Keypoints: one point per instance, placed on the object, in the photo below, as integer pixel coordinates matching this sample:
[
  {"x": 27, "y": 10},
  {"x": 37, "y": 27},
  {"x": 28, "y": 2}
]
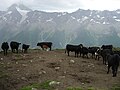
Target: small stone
[
  {"x": 16, "y": 62},
  {"x": 72, "y": 61},
  {"x": 24, "y": 65},
  {"x": 34, "y": 89},
  {"x": 1, "y": 59},
  {"x": 31, "y": 61},
  {"x": 23, "y": 78},
  {"x": 82, "y": 83},
  {"x": 40, "y": 73},
  {"x": 44, "y": 72},
  {"x": 57, "y": 68}
]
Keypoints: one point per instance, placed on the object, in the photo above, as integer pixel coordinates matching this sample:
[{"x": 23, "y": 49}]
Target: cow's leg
[
  {"x": 80, "y": 54},
  {"x": 113, "y": 71},
  {"x": 87, "y": 55},
  {"x": 17, "y": 50},
  {"x": 103, "y": 60},
  {"x": 83, "y": 55},
  {"x": 75, "y": 53},
  {"x": 5, "y": 51},
  {"x": 108, "y": 69},
  {"x": 68, "y": 53},
  {"x": 12, "y": 50}
]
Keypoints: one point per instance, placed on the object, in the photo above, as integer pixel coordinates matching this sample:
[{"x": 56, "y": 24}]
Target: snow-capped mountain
[{"x": 90, "y": 27}]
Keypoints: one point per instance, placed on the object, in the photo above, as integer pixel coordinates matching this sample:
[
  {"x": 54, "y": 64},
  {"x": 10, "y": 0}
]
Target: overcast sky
[{"x": 64, "y": 5}]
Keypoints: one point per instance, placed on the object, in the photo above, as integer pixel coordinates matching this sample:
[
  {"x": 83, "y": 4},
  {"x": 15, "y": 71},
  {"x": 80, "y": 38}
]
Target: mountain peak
[{"x": 21, "y": 6}]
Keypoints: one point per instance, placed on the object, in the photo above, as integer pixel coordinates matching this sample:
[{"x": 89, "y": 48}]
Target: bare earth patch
[{"x": 18, "y": 70}]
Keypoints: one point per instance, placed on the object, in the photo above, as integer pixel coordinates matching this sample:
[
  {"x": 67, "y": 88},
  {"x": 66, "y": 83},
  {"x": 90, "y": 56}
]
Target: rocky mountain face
[{"x": 89, "y": 27}]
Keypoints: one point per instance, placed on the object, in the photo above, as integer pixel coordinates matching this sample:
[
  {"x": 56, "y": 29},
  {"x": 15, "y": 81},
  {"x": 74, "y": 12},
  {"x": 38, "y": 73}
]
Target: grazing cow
[
  {"x": 116, "y": 52},
  {"x": 92, "y": 50},
  {"x": 104, "y": 54},
  {"x": 113, "y": 61},
  {"x": 107, "y": 47},
  {"x": 14, "y": 46},
  {"x": 45, "y": 45},
  {"x": 98, "y": 54},
  {"x": 25, "y": 48},
  {"x": 84, "y": 51},
  {"x": 5, "y": 47},
  {"x": 73, "y": 48}
]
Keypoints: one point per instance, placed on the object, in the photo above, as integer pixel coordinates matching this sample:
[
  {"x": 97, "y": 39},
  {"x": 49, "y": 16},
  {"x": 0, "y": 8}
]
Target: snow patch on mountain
[
  {"x": 84, "y": 18},
  {"x": 9, "y": 12},
  {"x": 78, "y": 20},
  {"x": 105, "y": 23},
  {"x": 118, "y": 20},
  {"x": 73, "y": 17},
  {"x": 49, "y": 20},
  {"x": 90, "y": 13},
  {"x": 102, "y": 18},
  {"x": 59, "y": 15},
  {"x": 118, "y": 12},
  {"x": 64, "y": 13},
  {"x": 98, "y": 16},
  {"x": 23, "y": 13},
  {"x": 114, "y": 16}
]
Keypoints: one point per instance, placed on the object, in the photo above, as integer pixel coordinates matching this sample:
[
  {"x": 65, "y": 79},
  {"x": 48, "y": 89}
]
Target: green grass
[
  {"x": 80, "y": 88},
  {"x": 74, "y": 88},
  {"x": 115, "y": 87},
  {"x": 116, "y": 49},
  {"x": 45, "y": 85}
]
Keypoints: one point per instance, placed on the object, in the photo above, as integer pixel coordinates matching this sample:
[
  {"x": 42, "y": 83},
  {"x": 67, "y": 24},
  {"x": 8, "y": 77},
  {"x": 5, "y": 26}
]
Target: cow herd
[
  {"x": 110, "y": 57},
  {"x": 15, "y": 46}
]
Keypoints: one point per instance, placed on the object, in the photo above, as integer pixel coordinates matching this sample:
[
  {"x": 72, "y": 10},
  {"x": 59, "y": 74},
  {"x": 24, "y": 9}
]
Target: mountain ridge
[{"x": 90, "y": 27}]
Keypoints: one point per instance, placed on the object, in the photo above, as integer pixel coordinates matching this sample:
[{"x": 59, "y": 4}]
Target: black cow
[
  {"x": 45, "y": 45},
  {"x": 116, "y": 52},
  {"x": 14, "y": 46},
  {"x": 92, "y": 50},
  {"x": 98, "y": 54},
  {"x": 84, "y": 51},
  {"x": 113, "y": 61},
  {"x": 107, "y": 47},
  {"x": 5, "y": 47},
  {"x": 25, "y": 48},
  {"x": 73, "y": 48},
  {"x": 104, "y": 54}
]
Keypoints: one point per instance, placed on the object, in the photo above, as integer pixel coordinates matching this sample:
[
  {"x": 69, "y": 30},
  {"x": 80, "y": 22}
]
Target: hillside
[{"x": 22, "y": 70}]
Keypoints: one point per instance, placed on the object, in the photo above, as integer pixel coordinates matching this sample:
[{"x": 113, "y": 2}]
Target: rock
[
  {"x": 44, "y": 72},
  {"x": 31, "y": 61},
  {"x": 1, "y": 59},
  {"x": 40, "y": 73},
  {"x": 24, "y": 65},
  {"x": 72, "y": 61},
  {"x": 57, "y": 68},
  {"x": 61, "y": 77},
  {"x": 16, "y": 62},
  {"x": 34, "y": 89},
  {"x": 82, "y": 83},
  {"x": 54, "y": 83},
  {"x": 23, "y": 78}
]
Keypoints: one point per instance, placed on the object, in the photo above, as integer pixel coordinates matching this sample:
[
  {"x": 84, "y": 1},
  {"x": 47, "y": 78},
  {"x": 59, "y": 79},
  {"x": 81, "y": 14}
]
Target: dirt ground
[{"x": 36, "y": 66}]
